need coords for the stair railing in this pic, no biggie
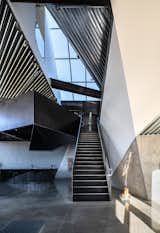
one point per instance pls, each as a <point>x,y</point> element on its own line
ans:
<point>108,170</point>
<point>75,150</point>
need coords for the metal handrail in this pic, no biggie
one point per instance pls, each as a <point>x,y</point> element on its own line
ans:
<point>108,170</point>
<point>75,150</point>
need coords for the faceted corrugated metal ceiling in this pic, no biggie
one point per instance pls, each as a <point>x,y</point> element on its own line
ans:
<point>88,29</point>
<point>152,128</point>
<point>19,69</point>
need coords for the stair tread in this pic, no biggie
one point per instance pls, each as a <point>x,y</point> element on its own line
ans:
<point>89,162</point>
<point>88,175</point>
<point>94,186</point>
<point>88,165</point>
<point>89,157</point>
<point>89,180</point>
<point>90,170</point>
<point>105,193</point>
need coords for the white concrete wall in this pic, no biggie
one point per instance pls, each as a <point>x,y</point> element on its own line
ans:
<point>137,26</point>
<point>131,94</point>
<point>116,119</point>
<point>16,155</point>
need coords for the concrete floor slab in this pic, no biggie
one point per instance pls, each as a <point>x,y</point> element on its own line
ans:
<point>52,204</point>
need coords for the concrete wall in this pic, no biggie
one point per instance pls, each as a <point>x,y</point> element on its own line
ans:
<point>145,160</point>
<point>131,92</point>
<point>116,118</point>
<point>137,24</point>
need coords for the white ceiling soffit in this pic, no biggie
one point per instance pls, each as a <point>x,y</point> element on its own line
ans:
<point>88,29</point>
<point>19,69</point>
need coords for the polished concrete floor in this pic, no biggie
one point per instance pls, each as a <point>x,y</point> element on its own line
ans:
<point>48,208</point>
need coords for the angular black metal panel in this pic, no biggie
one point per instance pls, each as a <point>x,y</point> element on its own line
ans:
<point>46,139</point>
<point>35,118</point>
<point>18,134</point>
<point>49,114</point>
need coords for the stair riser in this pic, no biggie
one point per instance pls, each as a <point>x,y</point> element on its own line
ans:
<point>89,159</point>
<point>89,149</point>
<point>89,146</point>
<point>89,172</point>
<point>89,180</point>
<point>89,139</point>
<point>104,197</point>
<point>94,177</point>
<point>89,155</point>
<point>90,190</point>
<point>89,152</point>
<point>89,136</point>
<point>97,140</point>
<point>86,167</point>
<point>89,183</point>
<point>88,162</point>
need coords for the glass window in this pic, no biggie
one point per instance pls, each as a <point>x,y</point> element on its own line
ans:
<point>80,84</point>
<point>63,70</point>
<point>69,67</point>
<point>89,77</point>
<point>89,98</point>
<point>65,95</point>
<point>78,71</point>
<point>51,21</point>
<point>73,54</point>
<point>60,44</point>
<point>93,86</point>
<point>79,97</point>
<point>39,40</point>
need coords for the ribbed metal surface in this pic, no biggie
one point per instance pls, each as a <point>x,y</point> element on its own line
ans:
<point>153,128</point>
<point>19,69</point>
<point>88,29</point>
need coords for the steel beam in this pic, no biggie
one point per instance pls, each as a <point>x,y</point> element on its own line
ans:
<point>66,86</point>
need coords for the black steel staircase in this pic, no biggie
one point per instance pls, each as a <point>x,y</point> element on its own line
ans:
<point>89,176</point>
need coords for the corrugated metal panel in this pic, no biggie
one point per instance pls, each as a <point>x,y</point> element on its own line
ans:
<point>19,69</point>
<point>153,128</point>
<point>88,29</point>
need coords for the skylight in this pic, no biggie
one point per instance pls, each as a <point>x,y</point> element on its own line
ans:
<point>68,64</point>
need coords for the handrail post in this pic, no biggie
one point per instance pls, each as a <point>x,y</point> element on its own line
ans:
<point>107,168</point>
<point>75,151</point>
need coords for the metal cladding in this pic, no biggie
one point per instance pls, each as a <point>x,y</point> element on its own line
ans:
<point>35,118</point>
<point>19,69</point>
<point>89,30</point>
<point>153,128</point>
